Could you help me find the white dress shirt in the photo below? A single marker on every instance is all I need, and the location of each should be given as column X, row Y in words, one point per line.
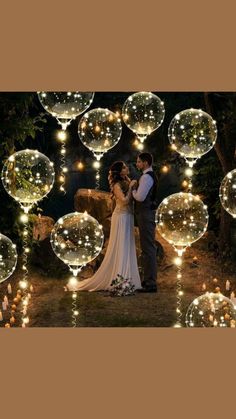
column 145, row 184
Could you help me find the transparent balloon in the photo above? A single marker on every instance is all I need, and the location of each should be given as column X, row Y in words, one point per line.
column 211, row 310
column 28, row 176
column 143, row 113
column 228, row 193
column 100, row 130
column 77, row 239
column 8, row 257
column 65, row 106
column 182, row 219
column 192, row 133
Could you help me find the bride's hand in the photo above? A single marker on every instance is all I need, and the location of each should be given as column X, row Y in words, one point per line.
column 133, row 184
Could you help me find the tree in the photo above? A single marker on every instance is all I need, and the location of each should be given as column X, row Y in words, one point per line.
column 20, row 121
column 222, row 107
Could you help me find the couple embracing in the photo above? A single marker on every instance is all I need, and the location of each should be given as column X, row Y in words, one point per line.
column 120, row 258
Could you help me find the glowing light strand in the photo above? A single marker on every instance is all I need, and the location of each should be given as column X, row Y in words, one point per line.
column 24, row 282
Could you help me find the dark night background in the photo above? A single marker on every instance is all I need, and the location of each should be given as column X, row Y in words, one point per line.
column 25, row 124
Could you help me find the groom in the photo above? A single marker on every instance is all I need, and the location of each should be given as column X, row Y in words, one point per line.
column 143, row 194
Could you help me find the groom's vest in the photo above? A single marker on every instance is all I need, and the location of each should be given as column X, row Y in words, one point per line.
column 149, row 202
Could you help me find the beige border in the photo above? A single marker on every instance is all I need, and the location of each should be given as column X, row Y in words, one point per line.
column 117, row 46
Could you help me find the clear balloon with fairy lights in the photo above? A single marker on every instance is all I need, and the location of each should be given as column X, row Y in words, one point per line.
column 143, row 113
column 182, row 219
column 211, row 310
column 8, row 257
column 65, row 106
column 100, row 130
column 28, row 176
column 192, row 133
column 228, row 193
column 77, row 239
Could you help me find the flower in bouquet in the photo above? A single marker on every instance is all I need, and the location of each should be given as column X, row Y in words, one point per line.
column 121, row 286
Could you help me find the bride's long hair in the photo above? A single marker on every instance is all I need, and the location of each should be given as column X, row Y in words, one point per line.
column 115, row 177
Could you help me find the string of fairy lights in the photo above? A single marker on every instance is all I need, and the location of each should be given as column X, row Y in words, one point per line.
column 77, row 238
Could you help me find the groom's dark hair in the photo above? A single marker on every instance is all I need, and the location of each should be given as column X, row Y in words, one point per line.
column 146, row 157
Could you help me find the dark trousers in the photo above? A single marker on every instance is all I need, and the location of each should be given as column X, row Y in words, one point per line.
column 146, row 224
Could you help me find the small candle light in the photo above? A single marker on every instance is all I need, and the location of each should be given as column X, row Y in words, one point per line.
column 203, row 286
column 12, row 320
column 9, row 289
column 4, row 306
column 195, row 261
column 215, row 280
column 217, row 289
column 1, row 318
column 6, row 300
column 31, row 288
column 7, row 325
column 227, row 285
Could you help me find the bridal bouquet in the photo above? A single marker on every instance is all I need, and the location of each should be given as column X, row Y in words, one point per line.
column 121, row 287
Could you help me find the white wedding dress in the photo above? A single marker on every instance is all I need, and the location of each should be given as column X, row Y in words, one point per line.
column 120, row 257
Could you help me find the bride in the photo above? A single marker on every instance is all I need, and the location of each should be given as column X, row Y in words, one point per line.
column 120, row 257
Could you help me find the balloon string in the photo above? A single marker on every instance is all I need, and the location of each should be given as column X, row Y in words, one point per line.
column 63, row 168
column 97, row 178
column 179, row 293
column 74, row 308
column 24, row 282
column 179, row 297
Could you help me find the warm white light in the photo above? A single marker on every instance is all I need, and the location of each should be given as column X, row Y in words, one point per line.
column 189, row 172
column 23, row 284
column 73, row 281
column 96, row 164
column 178, row 261
column 165, row 169
column 61, row 135
column 140, row 146
column 24, row 218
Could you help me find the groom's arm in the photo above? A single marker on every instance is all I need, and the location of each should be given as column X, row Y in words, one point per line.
column 145, row 185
